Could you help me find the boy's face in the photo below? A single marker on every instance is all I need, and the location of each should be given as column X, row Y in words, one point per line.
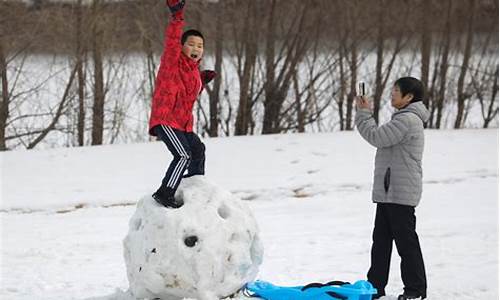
column 193, row 47
column 397, row 99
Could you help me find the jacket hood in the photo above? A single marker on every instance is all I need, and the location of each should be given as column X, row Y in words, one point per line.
column 417, row 108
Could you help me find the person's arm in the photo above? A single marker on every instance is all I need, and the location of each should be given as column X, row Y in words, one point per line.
column 386, row 135
column 172, row 47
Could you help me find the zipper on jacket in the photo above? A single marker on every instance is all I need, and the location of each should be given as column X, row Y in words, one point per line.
column 387, row 179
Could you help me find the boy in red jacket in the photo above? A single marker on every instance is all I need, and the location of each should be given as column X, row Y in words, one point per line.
column 178, row 84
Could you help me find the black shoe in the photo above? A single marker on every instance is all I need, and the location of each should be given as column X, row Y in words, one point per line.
column 167, row 201
column 410, row 297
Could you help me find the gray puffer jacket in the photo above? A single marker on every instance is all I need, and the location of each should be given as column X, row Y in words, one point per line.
column 400, row 146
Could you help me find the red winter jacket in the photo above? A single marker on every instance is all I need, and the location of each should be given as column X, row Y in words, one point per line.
column 177, row 84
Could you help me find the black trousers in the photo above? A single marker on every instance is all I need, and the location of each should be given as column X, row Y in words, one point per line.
column 188, row 152
column 397, row 222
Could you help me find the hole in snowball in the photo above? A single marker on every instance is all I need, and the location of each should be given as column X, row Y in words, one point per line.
column 191, row 241
column 140, row 269
column 137, row 224
column 154, row 250
column 223, row 211
column 234, row 237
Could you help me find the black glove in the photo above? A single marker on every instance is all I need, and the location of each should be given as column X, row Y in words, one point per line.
column 207, row 76
column 176, row 7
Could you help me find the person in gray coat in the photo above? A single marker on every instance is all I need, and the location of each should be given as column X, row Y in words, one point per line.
column 397, row 186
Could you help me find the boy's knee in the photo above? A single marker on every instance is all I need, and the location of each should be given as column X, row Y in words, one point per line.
column 183, row 156
column 187, row 156
column 199, row 150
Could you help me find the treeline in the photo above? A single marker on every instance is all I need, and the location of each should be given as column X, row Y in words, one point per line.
column 50, row 26
column 295, row 63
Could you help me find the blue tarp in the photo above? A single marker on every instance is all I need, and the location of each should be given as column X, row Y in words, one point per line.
column 360, row 290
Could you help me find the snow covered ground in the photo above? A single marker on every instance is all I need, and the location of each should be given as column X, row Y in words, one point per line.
column 65, row 212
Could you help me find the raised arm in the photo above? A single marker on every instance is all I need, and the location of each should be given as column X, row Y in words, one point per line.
column 172, row 47
column 389, row 134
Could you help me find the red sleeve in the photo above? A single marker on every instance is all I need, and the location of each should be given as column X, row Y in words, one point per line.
column 172, row 44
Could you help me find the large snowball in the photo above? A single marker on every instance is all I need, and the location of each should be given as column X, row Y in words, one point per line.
column 207, row 249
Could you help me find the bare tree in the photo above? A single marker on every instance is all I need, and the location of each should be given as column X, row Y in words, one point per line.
column 280, row 68
column 214, row 94
column 247, row 55
column 489, row 105
column 310, row 84
column 80, row 53
column 343, row 87
column 98, row 106
column 352, row 12
column 4, row 104
column 58, row 113
column 492, row 111
column 461, row 95
column 444, row 65
column 426, row 47
column 343, row 34
column 381, row 75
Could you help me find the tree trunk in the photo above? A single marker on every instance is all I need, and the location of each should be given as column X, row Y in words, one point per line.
column 4, row 103
column 461, row 97
column 343, row 30
column 250, row 48
column 80, row 76
column 444, row 68
column 298, row 105
column 426, row 49
column 269, row 86
column 432, row 90
column 343, row 87
column 492, row 111
column 98, row 107
column 353, row 64
column 379, row 89
column 148, row 49
column 215, row 94
column 352, row 93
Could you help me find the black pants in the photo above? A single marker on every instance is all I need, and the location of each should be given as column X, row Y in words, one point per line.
column 188, row 152
column 397, row 222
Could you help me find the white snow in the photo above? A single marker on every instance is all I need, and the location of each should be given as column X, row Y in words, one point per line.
column 65, row 212
column 207, row 249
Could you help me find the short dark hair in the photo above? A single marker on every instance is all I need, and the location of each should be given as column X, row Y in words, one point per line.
column 191, row 32
column 410, row 85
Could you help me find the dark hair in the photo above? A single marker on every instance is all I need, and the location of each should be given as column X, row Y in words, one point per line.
column 191, row 32
column 410, row 85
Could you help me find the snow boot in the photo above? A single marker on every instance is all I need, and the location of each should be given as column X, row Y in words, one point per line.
column 410, row 297
column 166, row 198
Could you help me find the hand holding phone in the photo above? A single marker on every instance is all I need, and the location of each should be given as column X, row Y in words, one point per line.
column 361, row 89
column 361, row 101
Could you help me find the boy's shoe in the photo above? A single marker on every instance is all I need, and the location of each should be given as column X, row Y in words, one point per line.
column 167, row 201
column 410, row 297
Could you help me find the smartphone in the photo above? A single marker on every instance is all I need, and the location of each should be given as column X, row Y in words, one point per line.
column 361, row 89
